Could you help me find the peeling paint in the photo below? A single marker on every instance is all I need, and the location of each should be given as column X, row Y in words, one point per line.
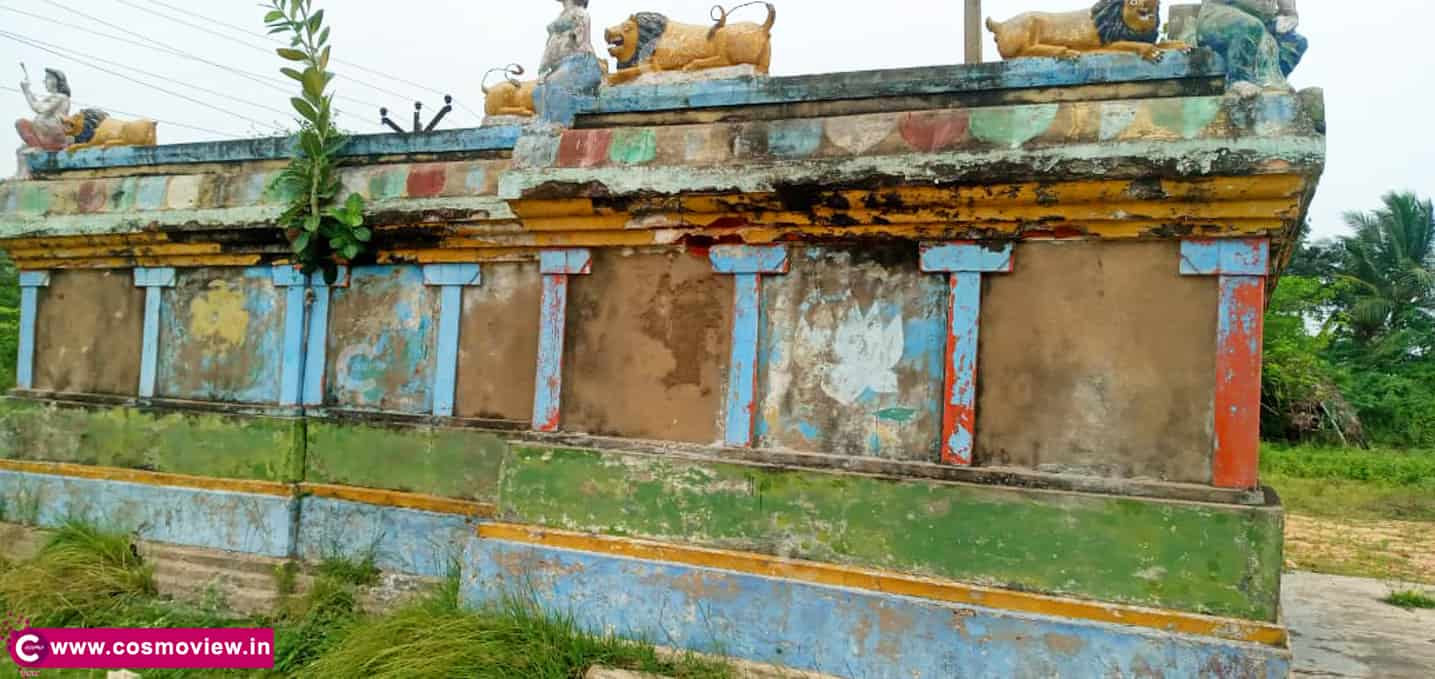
column 831, row 630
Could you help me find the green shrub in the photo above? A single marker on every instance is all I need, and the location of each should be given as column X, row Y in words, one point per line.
column 1410, row 599
column 1414, row 468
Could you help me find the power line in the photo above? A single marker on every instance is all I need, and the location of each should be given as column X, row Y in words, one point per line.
column 358, row 67
column 35, row 44
column 155, row 45
column 241, row 29
column 107, row 109
column 151, row 74
column 262, row 48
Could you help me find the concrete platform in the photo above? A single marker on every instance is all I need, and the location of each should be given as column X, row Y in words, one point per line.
column 1340, row 628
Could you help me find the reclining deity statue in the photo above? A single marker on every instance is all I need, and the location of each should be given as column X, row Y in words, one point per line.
column 46, row 131
column 1257, row 38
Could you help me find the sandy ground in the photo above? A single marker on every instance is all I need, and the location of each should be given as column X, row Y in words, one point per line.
column 1398, row 550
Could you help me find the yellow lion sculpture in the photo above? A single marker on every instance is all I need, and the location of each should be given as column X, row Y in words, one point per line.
column 510, row 97
column 92, row 129
column 1109, row 26
column 648, row 43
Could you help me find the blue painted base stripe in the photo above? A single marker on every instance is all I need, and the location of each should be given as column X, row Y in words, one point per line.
column 402, row 540
column 850, row 633
column 212, row 519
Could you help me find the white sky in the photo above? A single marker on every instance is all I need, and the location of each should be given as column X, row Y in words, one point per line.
column 1375, row 67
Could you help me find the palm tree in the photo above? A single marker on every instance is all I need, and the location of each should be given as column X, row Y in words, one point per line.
column 1390, row 264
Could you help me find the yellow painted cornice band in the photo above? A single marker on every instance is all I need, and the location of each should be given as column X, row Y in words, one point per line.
column 372, row 496
column 893, row 583
column 391, row 498
column 148, row 478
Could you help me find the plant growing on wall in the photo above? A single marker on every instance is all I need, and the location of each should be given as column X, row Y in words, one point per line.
column 322, row 232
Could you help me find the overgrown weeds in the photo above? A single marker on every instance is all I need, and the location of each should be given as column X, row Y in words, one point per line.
column 361, row 570
column 85, row 577
column 435, row 637
column 1410, row 599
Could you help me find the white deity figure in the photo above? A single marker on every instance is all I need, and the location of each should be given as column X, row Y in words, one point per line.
column 570, row 34
column 47, row 130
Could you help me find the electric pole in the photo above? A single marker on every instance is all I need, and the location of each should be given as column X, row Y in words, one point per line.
column 974, row 31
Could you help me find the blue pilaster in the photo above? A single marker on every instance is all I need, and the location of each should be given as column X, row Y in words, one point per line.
column 153, row 280
column 965, row 263
column 747, row 264
column 291, row 374
column 556, row 266
column 30, row 284
column 316, row 346
column 451, row 279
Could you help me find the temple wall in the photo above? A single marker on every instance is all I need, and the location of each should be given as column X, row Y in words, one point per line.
column 88, row 333
column 1097, row 359
column 648, row 339
column 381, row 341
column 853, row 354
column 974, row 343
column 499, row 344
column 220, row 332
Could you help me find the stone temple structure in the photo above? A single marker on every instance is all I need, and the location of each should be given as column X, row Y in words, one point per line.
column 929, row 372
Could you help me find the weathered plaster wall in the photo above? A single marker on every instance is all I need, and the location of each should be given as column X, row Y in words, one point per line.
column 498, row 344
column 402, row 540
column 852, row 349
column 1216, row 559
column 221, row 336
column 1098, row 358
column 234, row 522
column 841, row 631
column 200, row 444
column 88, row 332
column 382, row 341
column 453, row 463
column 647, row 347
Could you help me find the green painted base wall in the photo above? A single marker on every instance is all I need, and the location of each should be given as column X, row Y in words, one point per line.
column 199, row 444
column 1205, row 558
column 1218, row 559
column 445, row 462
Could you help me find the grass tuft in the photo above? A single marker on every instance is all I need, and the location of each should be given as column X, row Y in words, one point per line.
column 83, row 577
column 89, row 578
column 434, row 636
column 359, row 571
column 1410, row 599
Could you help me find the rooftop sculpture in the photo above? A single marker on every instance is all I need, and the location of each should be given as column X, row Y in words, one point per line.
column 1109, row 26
column 568, row 62
column 46, row 131
column 649, row 42
column 1257, row 38
column 54, row 129
column 93, row 128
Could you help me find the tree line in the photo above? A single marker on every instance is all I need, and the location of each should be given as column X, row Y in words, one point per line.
column 1350, row 334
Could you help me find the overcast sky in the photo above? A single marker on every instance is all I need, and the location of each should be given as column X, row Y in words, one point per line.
column 1375, row 65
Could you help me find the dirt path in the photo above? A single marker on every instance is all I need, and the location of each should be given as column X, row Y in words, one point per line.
column 1386, row 550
